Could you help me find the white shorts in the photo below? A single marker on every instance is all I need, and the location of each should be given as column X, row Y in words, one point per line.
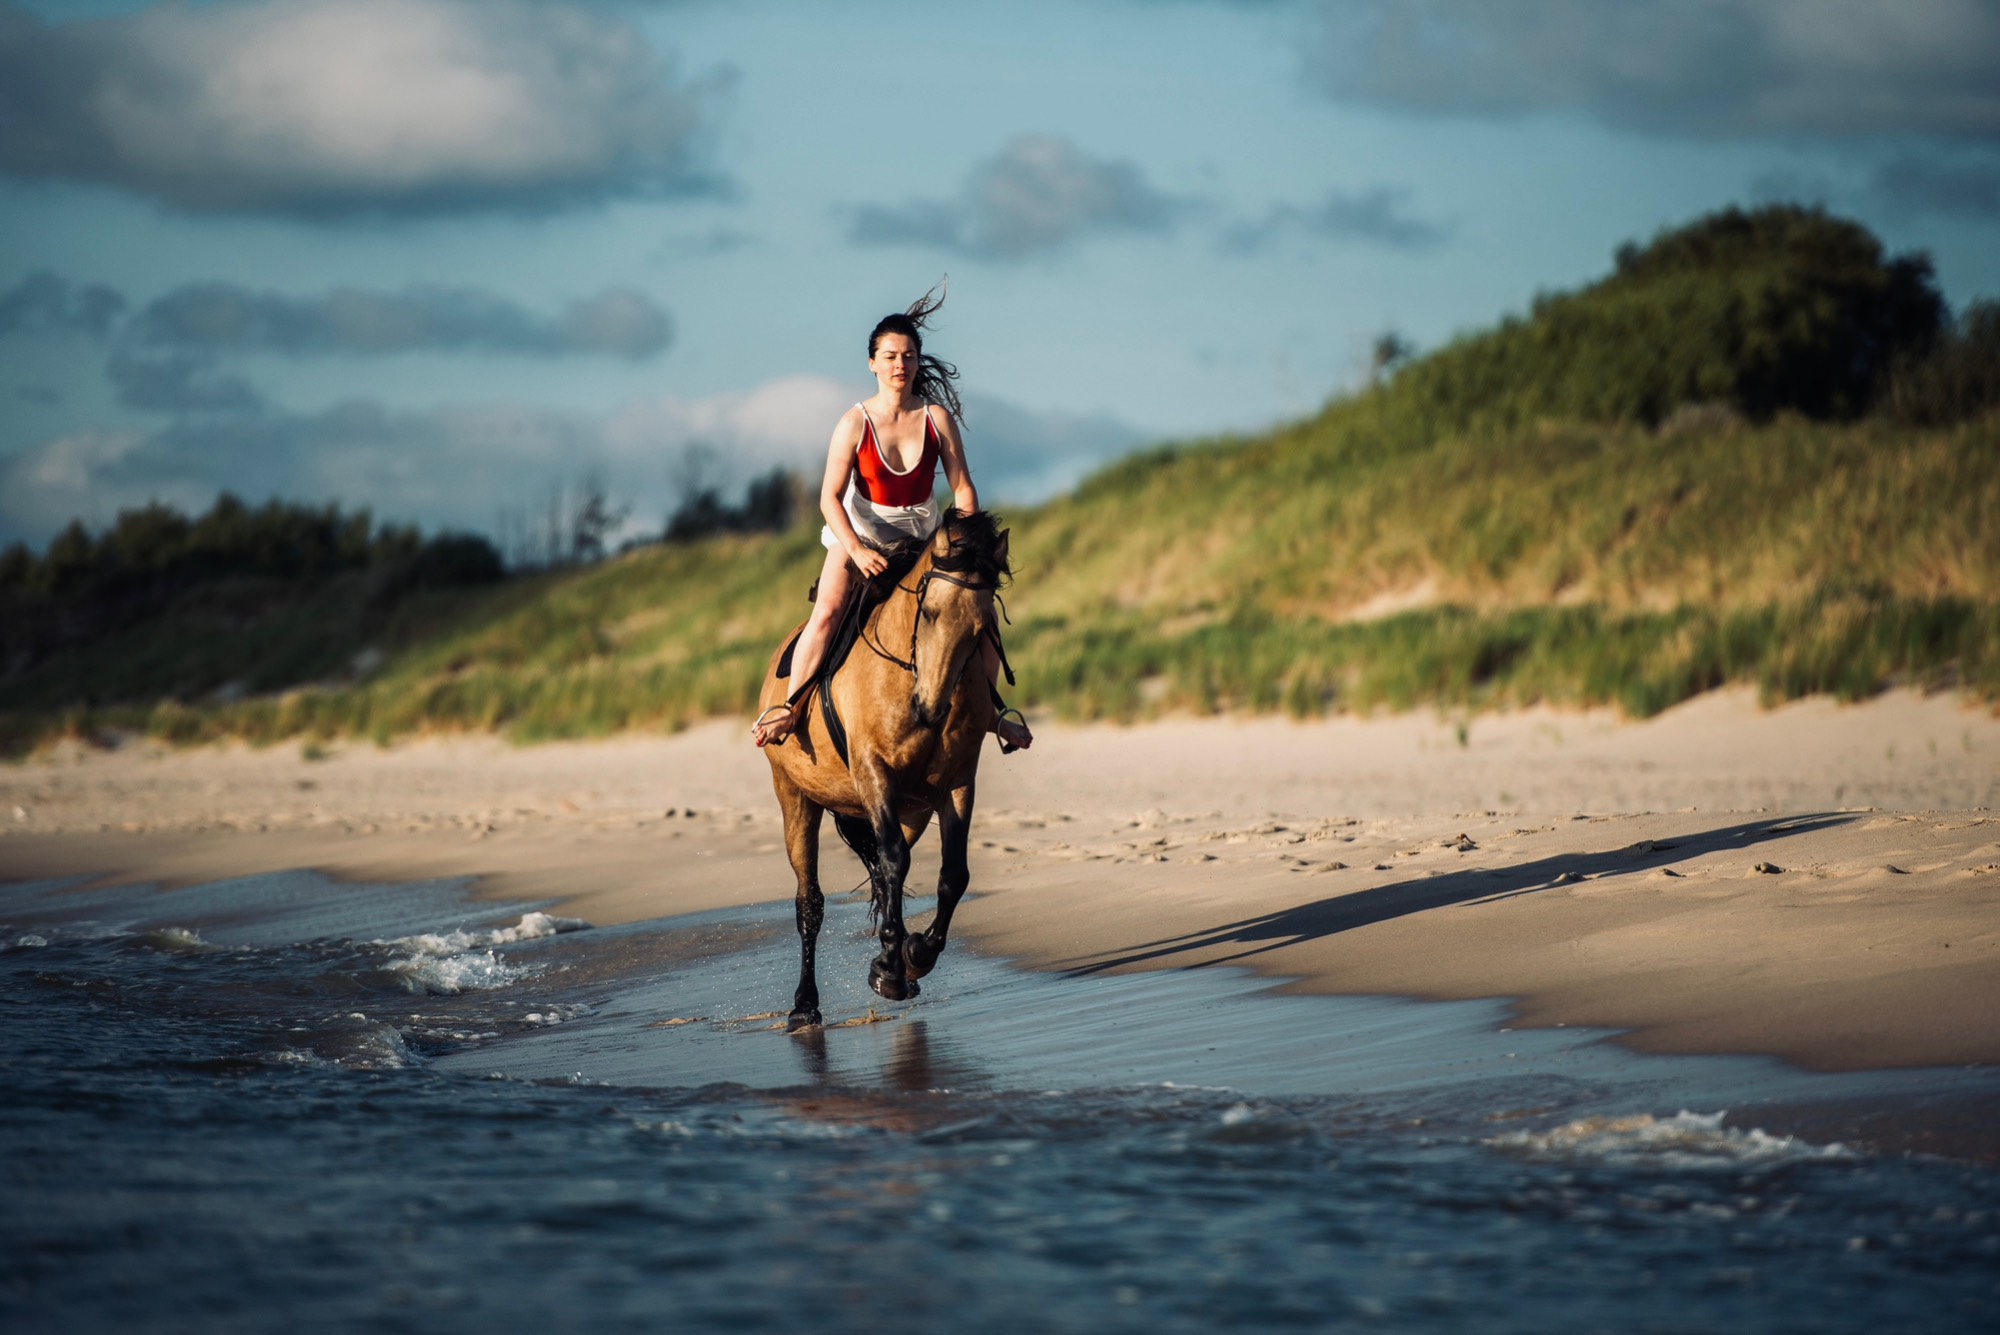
column 883, row 525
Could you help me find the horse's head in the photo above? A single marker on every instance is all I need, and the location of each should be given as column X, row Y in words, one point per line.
column 964, row 567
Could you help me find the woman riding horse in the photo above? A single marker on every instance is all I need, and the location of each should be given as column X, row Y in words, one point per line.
column 895, row 740
column 877, row 492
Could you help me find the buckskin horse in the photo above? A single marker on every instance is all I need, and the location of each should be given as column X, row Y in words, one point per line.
column 893, row 736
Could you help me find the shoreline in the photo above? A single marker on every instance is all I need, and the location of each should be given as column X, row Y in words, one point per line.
column 1590, row 871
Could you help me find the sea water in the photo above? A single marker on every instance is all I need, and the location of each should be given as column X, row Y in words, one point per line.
column 283, row 1103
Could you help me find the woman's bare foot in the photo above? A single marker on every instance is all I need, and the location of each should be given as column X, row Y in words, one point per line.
column 1013, row 733
column 774, row 725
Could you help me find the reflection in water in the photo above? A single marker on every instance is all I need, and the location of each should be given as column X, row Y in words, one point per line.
column 909, row 1066
column 810, row 1044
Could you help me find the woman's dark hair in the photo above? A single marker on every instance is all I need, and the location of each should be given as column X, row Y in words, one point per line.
column 934, row 374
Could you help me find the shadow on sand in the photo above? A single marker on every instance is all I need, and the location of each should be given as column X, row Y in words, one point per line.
column 1360, row 908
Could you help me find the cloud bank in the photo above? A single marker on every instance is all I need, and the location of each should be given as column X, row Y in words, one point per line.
column 45, row 303
column 473, row 466
column 335, row 107
column 1827, row 69
column 225, row 317
column 178, row 384
column 1039, row 194
column 1380, row 216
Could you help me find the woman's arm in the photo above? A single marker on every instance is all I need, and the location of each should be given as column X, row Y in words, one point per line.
column 833, row 487
column 951, row 451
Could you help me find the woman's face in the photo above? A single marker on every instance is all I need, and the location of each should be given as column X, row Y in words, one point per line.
column 894, row 362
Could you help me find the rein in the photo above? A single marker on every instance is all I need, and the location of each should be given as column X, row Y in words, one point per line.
column 909, row 665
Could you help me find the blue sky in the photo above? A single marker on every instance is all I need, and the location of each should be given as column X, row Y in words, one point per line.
column 436, row 257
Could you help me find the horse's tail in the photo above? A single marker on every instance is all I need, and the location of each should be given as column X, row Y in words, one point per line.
column 859, row 835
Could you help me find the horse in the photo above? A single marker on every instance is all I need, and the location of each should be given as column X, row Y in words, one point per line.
column 911, row 706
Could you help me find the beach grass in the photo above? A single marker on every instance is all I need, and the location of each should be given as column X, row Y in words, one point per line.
column 1326, row 567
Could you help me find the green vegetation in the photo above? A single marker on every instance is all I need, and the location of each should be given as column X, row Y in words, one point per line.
column 1756, row 452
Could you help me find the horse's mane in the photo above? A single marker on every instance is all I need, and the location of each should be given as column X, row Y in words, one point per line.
column 975, row 546
column 974, row 537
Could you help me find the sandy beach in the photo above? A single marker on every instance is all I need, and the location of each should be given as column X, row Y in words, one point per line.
column 1817, row 882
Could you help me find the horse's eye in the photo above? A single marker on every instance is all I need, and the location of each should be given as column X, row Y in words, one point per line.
column 930, row 614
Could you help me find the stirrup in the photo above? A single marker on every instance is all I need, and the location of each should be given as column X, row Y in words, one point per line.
column 1006, row 747
column 787, row 709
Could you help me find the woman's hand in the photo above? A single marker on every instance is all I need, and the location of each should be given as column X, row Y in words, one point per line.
column 869, row 562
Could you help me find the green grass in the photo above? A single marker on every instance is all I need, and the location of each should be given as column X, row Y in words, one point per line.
column 1563, row 563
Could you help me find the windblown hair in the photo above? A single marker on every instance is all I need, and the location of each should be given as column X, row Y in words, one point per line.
column 934, row 374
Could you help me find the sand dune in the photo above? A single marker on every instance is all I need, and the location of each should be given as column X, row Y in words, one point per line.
column 1818, row 882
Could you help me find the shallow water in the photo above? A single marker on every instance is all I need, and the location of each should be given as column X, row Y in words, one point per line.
column 283, row 1101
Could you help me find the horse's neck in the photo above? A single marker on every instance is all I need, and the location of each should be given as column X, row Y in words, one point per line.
column 897, row 613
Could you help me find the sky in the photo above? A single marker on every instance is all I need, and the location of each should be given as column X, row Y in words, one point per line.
column 440, row 258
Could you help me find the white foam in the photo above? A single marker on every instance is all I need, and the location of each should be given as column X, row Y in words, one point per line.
column 452, row 962
column 531, row 927
column 31, row 940
column 556, row 1014
column 1685, row 1140
column 470, row 971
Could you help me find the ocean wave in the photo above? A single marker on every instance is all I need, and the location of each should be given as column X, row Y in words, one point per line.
column 448, row 975
column 175, row 941
column 451, row 962
column 1685, row 1140
column 531, row 927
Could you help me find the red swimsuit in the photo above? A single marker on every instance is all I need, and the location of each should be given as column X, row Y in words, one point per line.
column 884, row 485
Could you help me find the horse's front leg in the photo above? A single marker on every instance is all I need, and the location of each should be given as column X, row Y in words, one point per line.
column 921, row 949
column 802, row 821
column 887, row 974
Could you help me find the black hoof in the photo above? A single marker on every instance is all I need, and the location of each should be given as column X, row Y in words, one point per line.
column 802, row 1020
column 919, row 956
column 891, row 987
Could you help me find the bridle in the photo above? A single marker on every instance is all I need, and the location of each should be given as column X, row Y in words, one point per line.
column 923, row 584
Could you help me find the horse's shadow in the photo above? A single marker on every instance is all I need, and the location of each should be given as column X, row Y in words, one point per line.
column 1361, row 908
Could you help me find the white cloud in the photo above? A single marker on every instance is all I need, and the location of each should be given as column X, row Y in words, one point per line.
column 341, row 106
column 66, row 465
column 782, row 423
column 1835, row 69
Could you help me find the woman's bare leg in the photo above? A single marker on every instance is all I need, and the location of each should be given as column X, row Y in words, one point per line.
column 836, row 584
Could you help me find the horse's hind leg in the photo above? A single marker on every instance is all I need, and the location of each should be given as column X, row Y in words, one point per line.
column 802, row 818
column 921, row 949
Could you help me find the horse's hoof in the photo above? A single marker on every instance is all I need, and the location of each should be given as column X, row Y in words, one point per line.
column 919, row 956
column 891, row 987
column 802, row 1020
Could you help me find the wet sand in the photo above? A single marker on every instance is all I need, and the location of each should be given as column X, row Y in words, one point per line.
column 1818, row 882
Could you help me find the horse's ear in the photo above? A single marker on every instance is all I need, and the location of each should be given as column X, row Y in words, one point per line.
column 1000, row 547
column 941, row 543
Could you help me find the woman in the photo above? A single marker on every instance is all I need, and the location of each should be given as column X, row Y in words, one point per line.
column 881, row 473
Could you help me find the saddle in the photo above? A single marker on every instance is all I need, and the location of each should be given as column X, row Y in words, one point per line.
column 860, row 611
